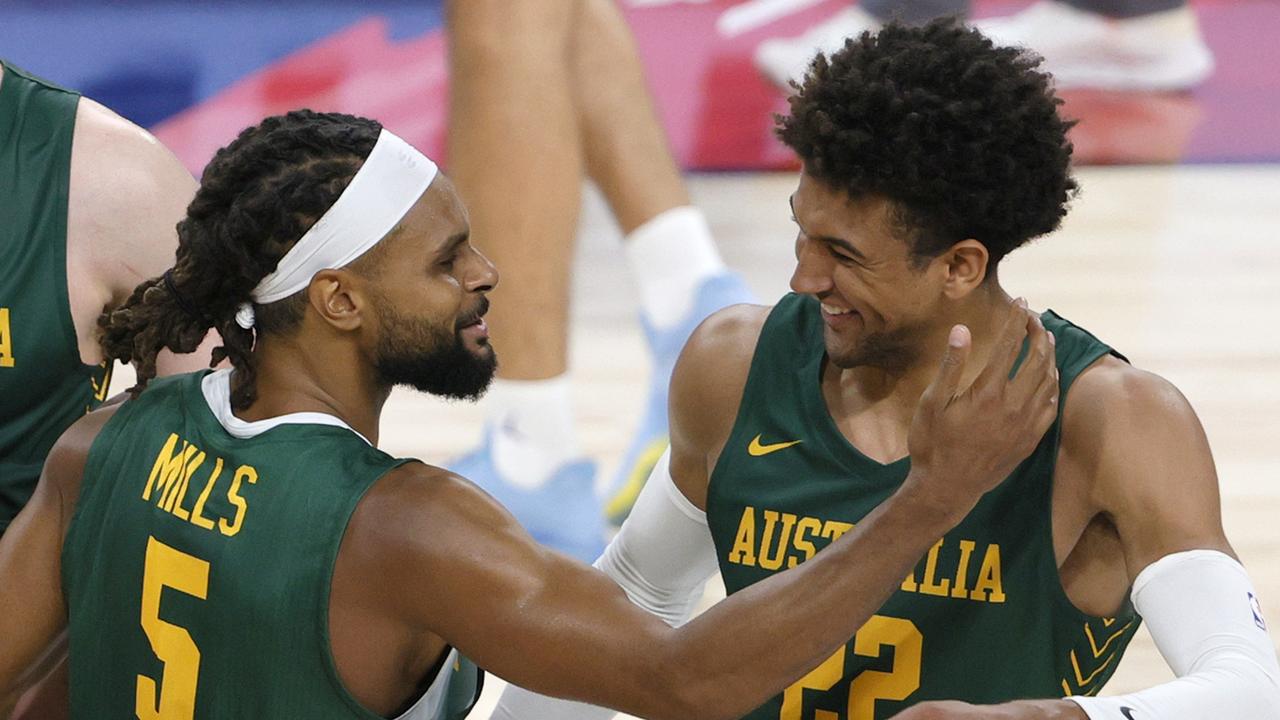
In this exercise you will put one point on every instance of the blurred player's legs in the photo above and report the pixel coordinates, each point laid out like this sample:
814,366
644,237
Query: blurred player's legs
1110,44
543,94
669,248
515,156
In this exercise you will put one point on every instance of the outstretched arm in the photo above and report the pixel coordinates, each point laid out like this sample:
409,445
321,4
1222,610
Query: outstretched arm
663,554
556,627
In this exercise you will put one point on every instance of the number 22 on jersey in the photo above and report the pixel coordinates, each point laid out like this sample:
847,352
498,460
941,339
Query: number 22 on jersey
870,685
176,696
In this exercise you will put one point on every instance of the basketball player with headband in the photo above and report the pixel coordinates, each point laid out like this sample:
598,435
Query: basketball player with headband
233,544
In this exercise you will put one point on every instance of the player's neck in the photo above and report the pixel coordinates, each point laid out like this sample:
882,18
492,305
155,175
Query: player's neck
898,390
333,380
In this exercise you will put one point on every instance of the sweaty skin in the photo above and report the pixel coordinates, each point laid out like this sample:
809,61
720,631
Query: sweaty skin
478,582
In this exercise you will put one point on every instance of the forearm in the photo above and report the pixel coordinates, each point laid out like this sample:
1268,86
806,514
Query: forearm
799,617
662,558
1202,612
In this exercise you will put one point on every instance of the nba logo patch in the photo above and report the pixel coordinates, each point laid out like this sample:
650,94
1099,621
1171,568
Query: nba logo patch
1256,607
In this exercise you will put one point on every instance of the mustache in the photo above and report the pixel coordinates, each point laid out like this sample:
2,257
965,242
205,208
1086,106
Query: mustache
474,316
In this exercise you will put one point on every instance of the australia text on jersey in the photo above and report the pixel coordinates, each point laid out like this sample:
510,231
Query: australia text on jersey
772,540
170,484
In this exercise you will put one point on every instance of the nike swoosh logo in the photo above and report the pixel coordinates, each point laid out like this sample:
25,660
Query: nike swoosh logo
756,449
1127,712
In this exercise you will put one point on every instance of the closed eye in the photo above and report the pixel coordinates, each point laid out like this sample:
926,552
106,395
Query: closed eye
842,257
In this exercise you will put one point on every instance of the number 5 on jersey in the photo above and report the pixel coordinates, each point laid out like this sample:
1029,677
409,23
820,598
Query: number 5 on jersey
870,685
176,699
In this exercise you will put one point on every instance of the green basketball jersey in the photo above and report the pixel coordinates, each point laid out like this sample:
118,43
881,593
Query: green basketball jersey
43,385
983,617
197,566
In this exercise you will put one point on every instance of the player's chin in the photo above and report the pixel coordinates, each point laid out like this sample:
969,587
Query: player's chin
481,349
841,343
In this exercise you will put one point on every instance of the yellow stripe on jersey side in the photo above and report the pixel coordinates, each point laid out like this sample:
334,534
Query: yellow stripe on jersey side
6,340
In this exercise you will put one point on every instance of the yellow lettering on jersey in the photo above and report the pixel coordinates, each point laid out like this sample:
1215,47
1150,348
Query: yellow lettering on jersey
168,469
806,527
244,472
930,584
103,385
989,586
910,584
197,513
822,678
961,585
744,544
173,503
784,539
6,342
834,529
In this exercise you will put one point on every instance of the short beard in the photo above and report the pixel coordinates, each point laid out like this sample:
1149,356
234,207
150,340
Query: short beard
431,359
889,351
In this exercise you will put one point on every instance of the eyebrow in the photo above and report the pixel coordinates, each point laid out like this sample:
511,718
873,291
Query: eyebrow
453,242
829,239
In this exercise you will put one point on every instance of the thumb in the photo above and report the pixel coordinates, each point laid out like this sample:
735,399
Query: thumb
947,383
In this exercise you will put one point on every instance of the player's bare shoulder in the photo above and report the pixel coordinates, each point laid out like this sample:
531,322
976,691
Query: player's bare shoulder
707,384
1112,394
418,512
127,194
1138,433
64,467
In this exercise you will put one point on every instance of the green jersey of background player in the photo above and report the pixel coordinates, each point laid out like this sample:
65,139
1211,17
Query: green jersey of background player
71,244
233,545
928,156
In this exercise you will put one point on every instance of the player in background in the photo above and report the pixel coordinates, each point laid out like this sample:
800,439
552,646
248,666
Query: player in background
544,95
88,206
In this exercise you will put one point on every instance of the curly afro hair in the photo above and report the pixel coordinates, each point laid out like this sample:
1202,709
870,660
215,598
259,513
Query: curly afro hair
964,137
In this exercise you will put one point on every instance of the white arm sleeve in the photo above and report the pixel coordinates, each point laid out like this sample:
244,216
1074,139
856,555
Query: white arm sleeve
662,557
1203,613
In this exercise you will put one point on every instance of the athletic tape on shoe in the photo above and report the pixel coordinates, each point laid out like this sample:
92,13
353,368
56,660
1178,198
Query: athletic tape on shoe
389,182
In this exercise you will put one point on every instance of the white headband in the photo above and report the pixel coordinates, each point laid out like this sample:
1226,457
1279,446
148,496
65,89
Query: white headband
389,182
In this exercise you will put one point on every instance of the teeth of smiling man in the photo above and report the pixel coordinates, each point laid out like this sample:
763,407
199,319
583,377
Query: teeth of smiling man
834,310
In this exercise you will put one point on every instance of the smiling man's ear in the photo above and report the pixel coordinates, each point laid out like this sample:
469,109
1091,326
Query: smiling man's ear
966,264
339,297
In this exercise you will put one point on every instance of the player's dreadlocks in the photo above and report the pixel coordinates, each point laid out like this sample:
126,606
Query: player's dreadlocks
256,199
963,136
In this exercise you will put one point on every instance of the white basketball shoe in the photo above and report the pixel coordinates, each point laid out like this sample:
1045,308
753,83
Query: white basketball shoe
785,59
1162,51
